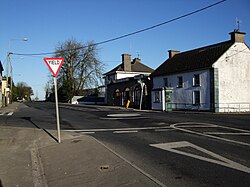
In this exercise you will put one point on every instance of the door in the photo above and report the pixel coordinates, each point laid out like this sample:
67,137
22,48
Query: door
168,100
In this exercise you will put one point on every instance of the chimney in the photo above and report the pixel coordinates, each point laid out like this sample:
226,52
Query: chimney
126,62
171,53
237,36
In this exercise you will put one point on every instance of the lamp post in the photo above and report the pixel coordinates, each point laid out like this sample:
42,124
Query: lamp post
8,65
142,87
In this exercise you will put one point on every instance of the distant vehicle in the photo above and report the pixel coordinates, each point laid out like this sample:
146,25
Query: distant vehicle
75,102
20,99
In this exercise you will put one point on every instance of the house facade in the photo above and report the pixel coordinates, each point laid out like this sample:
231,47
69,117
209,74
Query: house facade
128,81
212,78
2,84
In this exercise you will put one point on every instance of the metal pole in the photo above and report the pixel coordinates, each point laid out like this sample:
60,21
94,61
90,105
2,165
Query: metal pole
142,85
11,84
7,78
57,112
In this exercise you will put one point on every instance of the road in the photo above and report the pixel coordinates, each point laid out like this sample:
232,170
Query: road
173,149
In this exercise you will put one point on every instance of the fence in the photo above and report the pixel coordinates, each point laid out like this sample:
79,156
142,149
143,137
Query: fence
218,107
232,107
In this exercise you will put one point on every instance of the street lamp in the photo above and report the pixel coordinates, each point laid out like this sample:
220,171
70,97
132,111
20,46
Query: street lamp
8,64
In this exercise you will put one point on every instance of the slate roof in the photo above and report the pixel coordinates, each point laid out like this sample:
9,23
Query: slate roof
195,59
1,67
135,67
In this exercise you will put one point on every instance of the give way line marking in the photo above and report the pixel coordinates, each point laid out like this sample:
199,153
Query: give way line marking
6,113
183,125
172,147
119,129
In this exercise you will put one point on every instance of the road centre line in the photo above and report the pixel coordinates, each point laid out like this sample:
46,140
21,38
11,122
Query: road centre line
206,135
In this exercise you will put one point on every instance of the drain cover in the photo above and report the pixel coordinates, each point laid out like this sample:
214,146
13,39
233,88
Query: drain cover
104,168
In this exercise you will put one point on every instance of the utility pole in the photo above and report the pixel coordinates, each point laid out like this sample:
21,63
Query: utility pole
7,78
9,66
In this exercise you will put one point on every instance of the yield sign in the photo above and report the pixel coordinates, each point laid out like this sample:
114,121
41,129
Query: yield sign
54,64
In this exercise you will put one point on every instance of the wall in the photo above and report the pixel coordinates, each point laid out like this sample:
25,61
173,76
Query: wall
234,79
183,97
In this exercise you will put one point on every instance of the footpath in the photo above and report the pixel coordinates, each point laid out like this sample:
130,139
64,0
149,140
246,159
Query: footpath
29,156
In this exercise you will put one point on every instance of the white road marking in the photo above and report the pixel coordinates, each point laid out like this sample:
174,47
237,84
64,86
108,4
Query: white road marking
10,113
123,115
87,132
136,117
118,129
6,113
164,130
198,126
228,133
123,132
220,160
231,128
182,128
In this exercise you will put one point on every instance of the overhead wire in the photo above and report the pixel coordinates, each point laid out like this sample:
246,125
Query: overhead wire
125,35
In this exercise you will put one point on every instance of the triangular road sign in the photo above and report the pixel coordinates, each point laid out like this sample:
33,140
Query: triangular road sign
54,64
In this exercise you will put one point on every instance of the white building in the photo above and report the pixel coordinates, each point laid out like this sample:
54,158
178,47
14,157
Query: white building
212,78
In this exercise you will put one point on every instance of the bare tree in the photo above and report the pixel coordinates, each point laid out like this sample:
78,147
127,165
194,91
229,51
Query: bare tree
22,90
81,68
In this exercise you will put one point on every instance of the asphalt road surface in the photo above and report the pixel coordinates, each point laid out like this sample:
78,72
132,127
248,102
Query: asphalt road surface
174,149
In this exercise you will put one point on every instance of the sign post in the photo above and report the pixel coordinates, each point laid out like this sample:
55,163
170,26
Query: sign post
54,65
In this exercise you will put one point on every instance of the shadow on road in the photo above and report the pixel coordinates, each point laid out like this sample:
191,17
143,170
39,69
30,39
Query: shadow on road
47,132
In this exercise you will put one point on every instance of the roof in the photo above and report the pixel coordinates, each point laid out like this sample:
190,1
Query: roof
195,59
1,66
136,66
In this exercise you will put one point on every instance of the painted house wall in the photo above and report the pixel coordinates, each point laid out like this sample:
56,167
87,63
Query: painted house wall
234,79
182,98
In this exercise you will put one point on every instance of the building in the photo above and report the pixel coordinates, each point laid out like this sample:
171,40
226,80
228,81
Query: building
211,78
126,82
2,87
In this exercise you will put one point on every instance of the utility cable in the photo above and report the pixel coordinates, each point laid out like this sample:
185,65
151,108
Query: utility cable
126,35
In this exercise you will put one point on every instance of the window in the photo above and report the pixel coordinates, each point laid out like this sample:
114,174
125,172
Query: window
196,98
196,80
166,82
157,97
179,82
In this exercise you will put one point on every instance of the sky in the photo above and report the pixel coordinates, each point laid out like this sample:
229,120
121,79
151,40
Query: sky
48,22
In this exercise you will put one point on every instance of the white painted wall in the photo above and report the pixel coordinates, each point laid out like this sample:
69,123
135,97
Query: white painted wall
184,95
234,79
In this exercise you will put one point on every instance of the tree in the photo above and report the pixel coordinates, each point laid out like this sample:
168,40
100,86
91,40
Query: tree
81,68
22,90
